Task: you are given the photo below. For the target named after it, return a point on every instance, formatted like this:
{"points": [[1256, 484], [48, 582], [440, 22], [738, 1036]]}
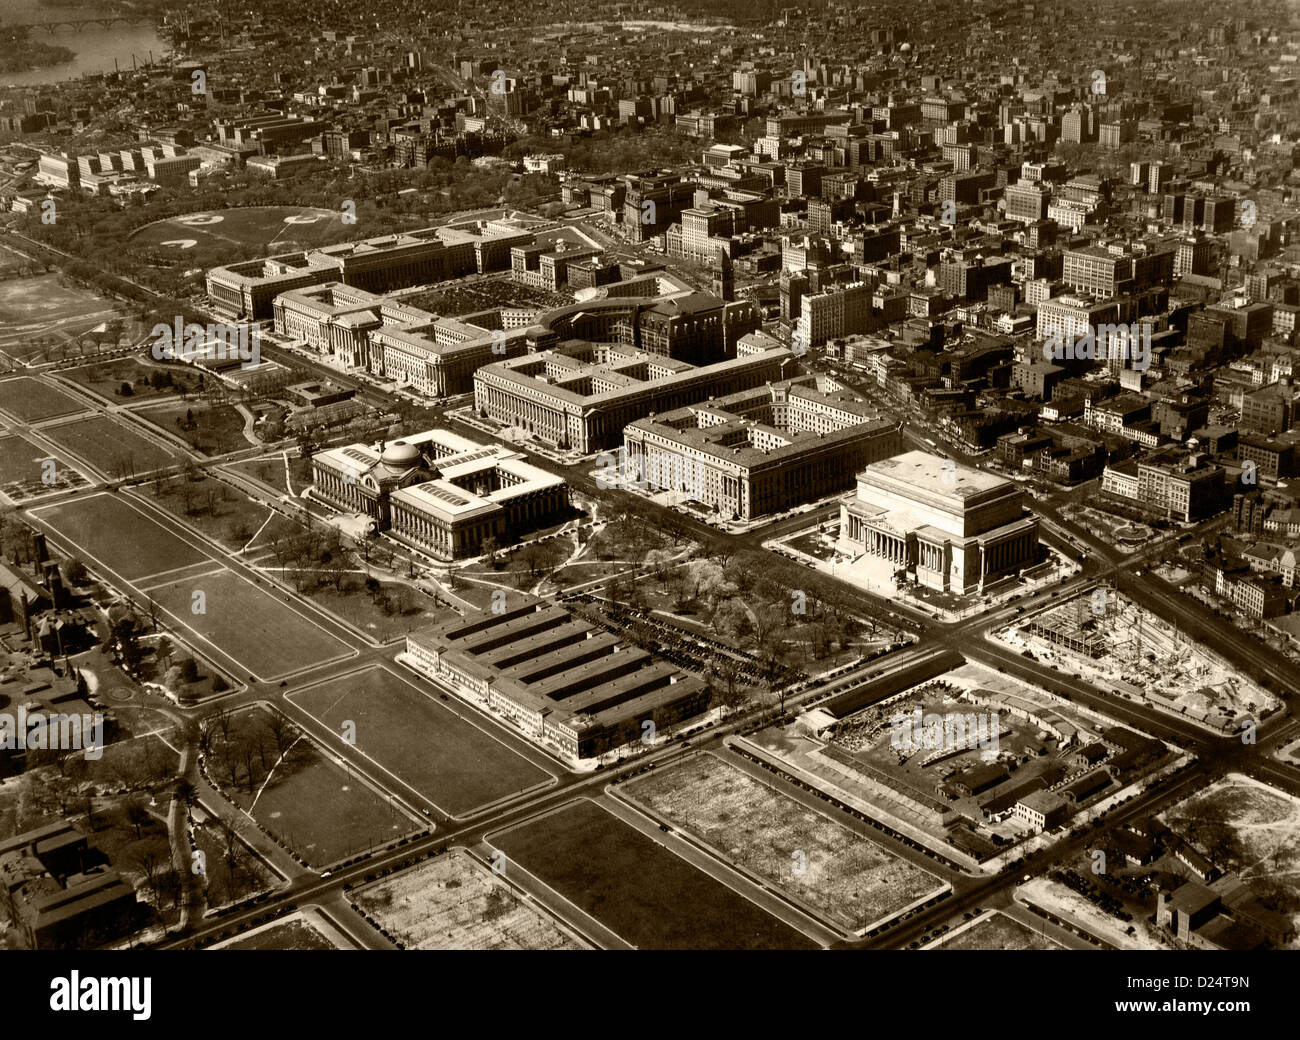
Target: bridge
{"points": [[73, 24]]}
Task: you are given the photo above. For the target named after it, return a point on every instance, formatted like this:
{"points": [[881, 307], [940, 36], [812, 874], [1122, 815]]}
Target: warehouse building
{"points": [[567, 684]]}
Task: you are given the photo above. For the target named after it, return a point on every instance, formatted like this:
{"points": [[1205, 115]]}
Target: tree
{"points": [[125, 639], [136, 814]]}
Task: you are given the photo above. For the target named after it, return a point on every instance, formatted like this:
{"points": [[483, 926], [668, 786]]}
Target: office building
{"points": [[763, 450]]}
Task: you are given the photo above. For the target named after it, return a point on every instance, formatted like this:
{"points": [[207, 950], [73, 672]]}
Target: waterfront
{"points": [[96, 47]]}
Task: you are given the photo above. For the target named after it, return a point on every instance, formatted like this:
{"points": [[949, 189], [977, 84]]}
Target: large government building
{"points": [[762, 450], [439, 492], [563, 681], [247, 290], [581, 394], [954, 528]]}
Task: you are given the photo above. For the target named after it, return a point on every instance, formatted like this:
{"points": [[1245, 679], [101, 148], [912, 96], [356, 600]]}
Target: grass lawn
{"points": [[216, 428], [107, 529], [226, 231], [390, 613], [31, 399], [447, 759], [454, 903], [848, 879], [636, 887], [221, 512], [106, 378], [271, 470], [253, 626], [113, 448], [318, 808]]}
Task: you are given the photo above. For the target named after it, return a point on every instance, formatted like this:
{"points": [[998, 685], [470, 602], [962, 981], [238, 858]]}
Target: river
{"points": [[96, 47]]}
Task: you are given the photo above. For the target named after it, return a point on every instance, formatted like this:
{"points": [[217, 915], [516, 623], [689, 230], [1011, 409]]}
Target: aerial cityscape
{"points": [[653, 475]]}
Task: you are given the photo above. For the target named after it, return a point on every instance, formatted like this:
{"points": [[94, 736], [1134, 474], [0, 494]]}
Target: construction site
{"points": [[1115, 644]]}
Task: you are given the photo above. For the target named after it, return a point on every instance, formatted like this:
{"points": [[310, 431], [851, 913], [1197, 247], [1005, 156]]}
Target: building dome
{"points": [[399, 453]]}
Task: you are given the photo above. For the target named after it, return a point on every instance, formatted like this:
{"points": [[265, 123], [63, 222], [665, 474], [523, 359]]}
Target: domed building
{"points": [[438, 492]]}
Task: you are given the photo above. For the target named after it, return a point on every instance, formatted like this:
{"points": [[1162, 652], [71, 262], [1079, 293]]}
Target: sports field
{"points": [[214, 234], [438, 754], [845, 877], [22, 470], [112, 448], [636, 887], [253, 628], [32, 400]]}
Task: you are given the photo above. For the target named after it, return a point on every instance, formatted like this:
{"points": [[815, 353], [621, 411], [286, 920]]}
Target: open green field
{"points": [[228, 233], [252, 626], [845, 877], [636, 887], [272, 470], [22, 470], [319, 809], [106, 529], [111, 447], [998, 932], [25, 300], [215, 430], [444, 757], [31, 400], [106, 378]]}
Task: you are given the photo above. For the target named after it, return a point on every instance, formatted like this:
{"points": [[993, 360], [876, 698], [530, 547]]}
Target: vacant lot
{"points": [[31, 399], [113, 448], [636, 887], [848, 879], [296, 932], [455, 903], [1252, 830], [447, 759], [998, 932]]}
